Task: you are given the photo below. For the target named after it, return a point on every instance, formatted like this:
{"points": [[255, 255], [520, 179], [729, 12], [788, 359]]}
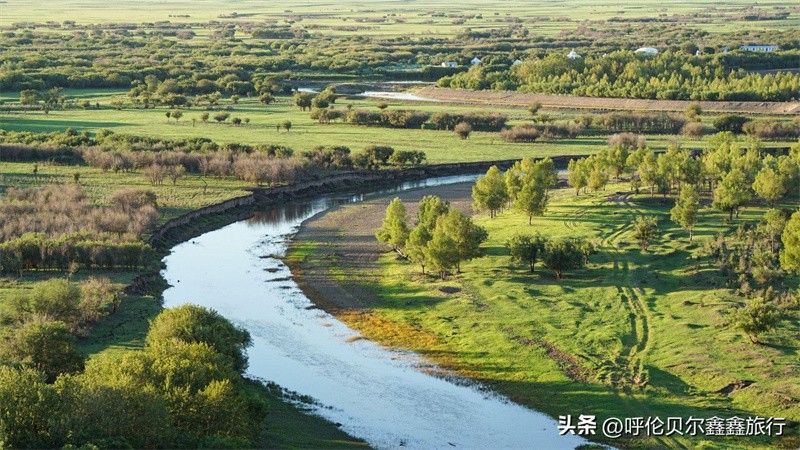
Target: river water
{"points": [[378, 395]]}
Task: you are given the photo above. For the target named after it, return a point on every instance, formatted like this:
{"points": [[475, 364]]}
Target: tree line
{"points": [[669, 75]]}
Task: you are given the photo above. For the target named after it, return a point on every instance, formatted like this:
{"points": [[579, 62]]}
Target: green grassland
{"points": [[307, 133], [644, 334], [541, 17]]}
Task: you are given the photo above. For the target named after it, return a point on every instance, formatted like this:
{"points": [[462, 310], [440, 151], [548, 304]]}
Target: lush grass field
{"points": [[306, 133], [540, 17], [644, 334]]}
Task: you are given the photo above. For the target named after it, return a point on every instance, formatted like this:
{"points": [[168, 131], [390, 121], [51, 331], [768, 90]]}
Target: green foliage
{"points": [[769, 185], [756, 317], [790, 255], [184, 390], [686, 209], [645, 229], [47, 346], [394, 230], [194, 324], [732, 193], [303, 100], [526, 248], [490, 192], [561, 255]]}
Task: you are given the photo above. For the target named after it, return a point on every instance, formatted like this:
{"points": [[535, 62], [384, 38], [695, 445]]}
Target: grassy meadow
{"points": [[387, 18], [632, 334], [307, 133]]}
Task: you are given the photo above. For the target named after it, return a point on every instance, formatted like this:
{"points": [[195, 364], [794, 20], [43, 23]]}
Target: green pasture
{"points": [[306, 133], [422, 17], [650, 331]]}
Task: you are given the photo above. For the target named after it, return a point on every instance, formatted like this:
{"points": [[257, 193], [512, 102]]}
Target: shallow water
{"points": [[376, 394]]}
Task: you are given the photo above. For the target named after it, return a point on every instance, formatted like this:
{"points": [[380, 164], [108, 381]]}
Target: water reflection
{"points": [[376, 394]]}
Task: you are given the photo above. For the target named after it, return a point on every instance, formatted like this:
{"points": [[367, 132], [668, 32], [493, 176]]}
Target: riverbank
{"points": [[548, 345]]}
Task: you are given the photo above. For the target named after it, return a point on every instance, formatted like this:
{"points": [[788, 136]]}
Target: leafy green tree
{"points": [[441, 251], [790, 255], [29, 97], [394, 230], [416, 246], [55, 299], [287, 125], [513, 181], [490, 192], [578, 174], [617, 158], [430, 208], [46, 346], [526, 249], [467, 236], [561, 255], [266, 98], [532, 200], [732, 193], [303, 100], [598, 177], [645, 229], [26, 409], [221, 117], [756, 317], [204, 117], [195, 324], [769, 185], [774, 222], [686, 209], [177, 115]]}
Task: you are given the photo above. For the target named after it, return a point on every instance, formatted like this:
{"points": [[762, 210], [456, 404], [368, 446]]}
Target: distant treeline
{"points": [[666, 76]]}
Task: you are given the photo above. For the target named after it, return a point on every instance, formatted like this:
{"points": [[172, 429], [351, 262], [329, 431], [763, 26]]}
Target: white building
{"points": [[647, 51], [573, 55], [475, 60], [449, 64], [698, 53], [516, 62], [759, 48]]}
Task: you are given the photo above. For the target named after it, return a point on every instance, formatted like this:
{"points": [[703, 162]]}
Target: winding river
{"points": [[376, 394]]}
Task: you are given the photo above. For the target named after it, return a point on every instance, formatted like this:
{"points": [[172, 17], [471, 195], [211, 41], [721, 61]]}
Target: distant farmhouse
{"points": [[759, 48], [573, 55], [475, 60], [516, 62], [449, 64], [647, 51]]}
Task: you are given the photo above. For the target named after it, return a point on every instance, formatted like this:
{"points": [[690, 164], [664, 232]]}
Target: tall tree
{"points": [[686, 209], [490, 192], [394, 230], [645, 229], [790, 255], [578, 174], [532, 200], [732, 193], [769, 185], [466, 236], [756, 317]]}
